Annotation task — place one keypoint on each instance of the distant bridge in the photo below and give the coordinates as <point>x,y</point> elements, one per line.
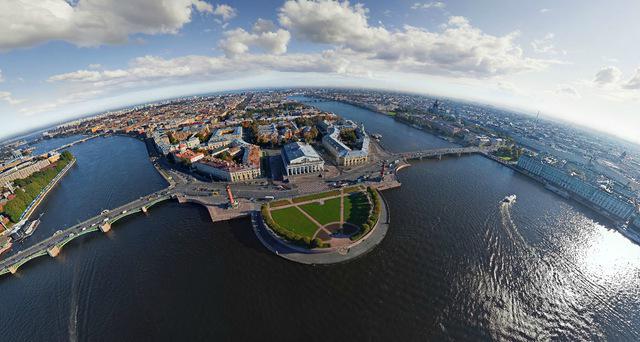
<point>441,152</point>
<point>76,142</point>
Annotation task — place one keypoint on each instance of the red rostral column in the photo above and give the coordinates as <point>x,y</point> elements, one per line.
<point>382,171</point>
<point>230,195</point>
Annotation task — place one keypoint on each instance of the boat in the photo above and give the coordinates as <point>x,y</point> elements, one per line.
<point>509,199</point>
<point>31,228</point>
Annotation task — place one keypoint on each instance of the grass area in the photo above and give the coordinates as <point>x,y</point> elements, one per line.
<point>316,196</point>
<point>279,203</point>
<point>293,220</point>
<point>356,208</point>
<point>324,213</point>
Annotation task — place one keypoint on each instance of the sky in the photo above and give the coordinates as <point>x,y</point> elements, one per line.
<point>575,60</point>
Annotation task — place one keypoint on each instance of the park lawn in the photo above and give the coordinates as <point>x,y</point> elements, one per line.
<point>356,208</point>
<point>292,219</point>
<point>324,213</point>
<point>316,196</point>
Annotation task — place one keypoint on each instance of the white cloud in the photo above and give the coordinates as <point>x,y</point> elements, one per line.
<point>7,97</point>
<point>25,23</point>
<point>264,35</point>
<point>95,66</point>
<point>1,77</point>
<point>153,69</point>
<point>458,50</point>
<point>634,82</point>
<point>544,45</point>
<point>608,75</point>
<point>544,10</point>
<point>428,5</point>
<point>568,90</point>
<point>225,11</point>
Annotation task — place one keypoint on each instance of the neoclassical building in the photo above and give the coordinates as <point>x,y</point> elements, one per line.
<point>343,154</point>
<point>300,158</point>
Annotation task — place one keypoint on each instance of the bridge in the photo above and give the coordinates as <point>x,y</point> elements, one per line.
<point>53,245</point>
<point>211,195</point>
<point>76,142</point>
<point>441,152</point>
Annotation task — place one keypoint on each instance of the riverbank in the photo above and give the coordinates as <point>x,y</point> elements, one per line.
<point>36,202</point>
<point>32,189</point>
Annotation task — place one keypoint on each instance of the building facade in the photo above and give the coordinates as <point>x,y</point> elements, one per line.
<point>246,168</point>
<point>23,171</point>
<point>343,154</point>
<point>614,205</point>
<point>300,158</point>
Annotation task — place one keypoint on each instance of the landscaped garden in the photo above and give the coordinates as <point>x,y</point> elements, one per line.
<point>336,217</point>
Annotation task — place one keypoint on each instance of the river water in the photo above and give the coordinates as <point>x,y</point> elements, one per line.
<point>456,263</point>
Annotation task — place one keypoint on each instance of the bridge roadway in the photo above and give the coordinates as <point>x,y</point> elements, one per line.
<point>211,193</point>
<point>440,152</point>
<point>76,142</point>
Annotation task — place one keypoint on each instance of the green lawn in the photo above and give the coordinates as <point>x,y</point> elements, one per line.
<point>324,213</point>
<point>316,196</point>
<point>292,219</point>
<point>356,208</point>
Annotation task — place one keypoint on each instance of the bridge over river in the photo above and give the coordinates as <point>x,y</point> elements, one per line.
<point>441,152</point>
<point>211,195</point>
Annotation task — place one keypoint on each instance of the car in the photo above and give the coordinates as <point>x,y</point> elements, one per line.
<point>124,211</point>
<point>85,228</point>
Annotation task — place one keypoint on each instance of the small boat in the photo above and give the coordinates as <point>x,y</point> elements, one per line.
<point>31,228</point>
<point>509,199</point>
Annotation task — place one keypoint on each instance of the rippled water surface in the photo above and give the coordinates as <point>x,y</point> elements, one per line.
<point>457,263</point>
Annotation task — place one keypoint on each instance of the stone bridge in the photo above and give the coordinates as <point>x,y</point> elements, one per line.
<point>53,245</point>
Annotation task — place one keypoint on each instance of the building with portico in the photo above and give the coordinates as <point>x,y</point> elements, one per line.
<point>300,158</point>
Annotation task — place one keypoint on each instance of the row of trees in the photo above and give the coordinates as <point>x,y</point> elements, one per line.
<point>373,214</point>
<point>29,188</point>
<point>294,238</point>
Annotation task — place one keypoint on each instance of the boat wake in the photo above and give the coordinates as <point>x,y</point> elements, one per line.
<point>509,226</point>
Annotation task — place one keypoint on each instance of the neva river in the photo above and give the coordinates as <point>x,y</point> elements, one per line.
<point>456,263</point>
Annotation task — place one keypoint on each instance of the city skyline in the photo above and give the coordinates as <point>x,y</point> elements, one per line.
<point>104,55</point>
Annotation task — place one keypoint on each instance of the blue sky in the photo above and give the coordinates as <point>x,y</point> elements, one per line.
<point>574,60</point>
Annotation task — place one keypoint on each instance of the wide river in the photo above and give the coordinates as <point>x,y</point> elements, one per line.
<point>456,263</point>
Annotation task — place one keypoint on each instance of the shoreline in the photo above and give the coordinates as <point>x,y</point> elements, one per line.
<point>43,195</point>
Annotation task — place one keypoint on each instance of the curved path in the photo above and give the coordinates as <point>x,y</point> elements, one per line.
<point>310,257</point>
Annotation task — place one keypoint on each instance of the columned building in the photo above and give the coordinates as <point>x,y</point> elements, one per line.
<point>300,158</point>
